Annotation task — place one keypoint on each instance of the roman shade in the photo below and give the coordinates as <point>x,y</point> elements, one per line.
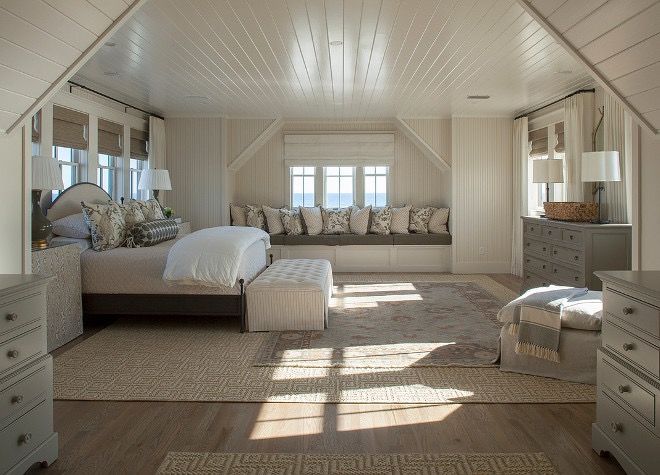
<point>139,141</point>
<point>339,149</point>
<point>111,138</point>
<point>559,135</point>
<point>36,127</point>
<point>538,140</point>
<point>70,128</point>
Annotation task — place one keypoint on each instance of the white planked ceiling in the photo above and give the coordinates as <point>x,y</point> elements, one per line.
<point>40,40</point>
<point>620,39</point>
<point>398,58</point>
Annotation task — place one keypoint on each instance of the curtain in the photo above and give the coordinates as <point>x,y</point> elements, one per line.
<point>614,138</point>
<point>520,160</point>
<point>578,124</point>
<point>157,158</point>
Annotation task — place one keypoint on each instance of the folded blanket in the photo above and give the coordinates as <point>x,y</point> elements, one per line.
<point>538,325</point>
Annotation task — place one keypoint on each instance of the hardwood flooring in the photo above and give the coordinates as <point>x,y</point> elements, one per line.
<point>133,437</point>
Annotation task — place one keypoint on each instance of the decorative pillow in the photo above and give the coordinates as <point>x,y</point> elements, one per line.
<point>336,221</point>
<point>360,220</point>
<point>438,221</point>
<point>106,225</point>
<point>150,209</point>
<point>72,226</point>
<point>381,219</point>
<point>274,220</point>
<point>292,221</point>
<point>400,220</point>
<point>149,233</point>
<point>312,220</point>
<point>255,216</point>
<point>238,217</point>
<point>419,220</point>
<point>132,213</point>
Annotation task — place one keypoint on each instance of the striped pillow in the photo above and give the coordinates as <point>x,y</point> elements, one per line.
<point>149,233</point>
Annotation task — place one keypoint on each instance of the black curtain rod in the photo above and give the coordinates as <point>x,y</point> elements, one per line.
<point>581,91</point>
<point>125,104</point>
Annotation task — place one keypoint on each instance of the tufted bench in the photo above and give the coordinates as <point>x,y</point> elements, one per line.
<point>292,294</point>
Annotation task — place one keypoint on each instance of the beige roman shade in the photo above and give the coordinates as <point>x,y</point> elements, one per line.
<point>139,141</point>
<point>111,138</point>
<point>539,142</point>
<point>36,127</point>
<point>70,128</point>
<point>327,150</point>
<point>559,134</point>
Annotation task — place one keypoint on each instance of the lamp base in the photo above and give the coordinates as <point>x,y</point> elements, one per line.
<point>600,221</point>
<point>41,226</point>
<point>39,244</point>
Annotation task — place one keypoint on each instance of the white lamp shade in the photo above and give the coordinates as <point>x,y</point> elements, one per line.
<point>601,166</point>
<point>547,171</point>
<point>46,174</point>
<point>154,179</point>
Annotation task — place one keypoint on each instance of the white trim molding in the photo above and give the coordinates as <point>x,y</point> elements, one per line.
<point>261,140</point>
<point>422,145</point>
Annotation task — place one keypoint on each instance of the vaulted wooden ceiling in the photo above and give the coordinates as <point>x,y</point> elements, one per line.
<point>333,59</point>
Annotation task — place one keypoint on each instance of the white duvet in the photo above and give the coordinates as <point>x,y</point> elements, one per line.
<point>211,256</point>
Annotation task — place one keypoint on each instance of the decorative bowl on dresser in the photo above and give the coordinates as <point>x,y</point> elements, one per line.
<point>628,376</point>
<point>26,376</point>
<point>562,253</point>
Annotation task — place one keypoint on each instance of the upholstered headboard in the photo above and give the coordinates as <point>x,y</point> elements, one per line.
<point>68,202</point>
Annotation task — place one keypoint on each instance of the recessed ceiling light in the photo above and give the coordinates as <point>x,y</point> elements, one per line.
<point>336,43</point>
<point>478,96</point>
<point>564,71</point>
<point>197,98</point>
<point>111,74</point>
<point>110,44</point>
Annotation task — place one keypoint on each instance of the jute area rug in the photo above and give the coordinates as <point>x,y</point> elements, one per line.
<point>191,463</point>
<point>210,360</point>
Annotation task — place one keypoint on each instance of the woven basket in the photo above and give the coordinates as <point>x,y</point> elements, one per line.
<point>571,211</point>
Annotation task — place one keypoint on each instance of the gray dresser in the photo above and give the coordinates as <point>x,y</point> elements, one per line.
<point>628,409</point>
<point>562,253</point>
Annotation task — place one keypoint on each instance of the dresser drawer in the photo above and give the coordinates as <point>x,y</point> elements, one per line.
<point>21,311</point>
<point>532,228</point>
<point>569,255</point>
<point>641,445</point>
<point>22,348</point>
<point>25,434</point>
<point>572,276</point>
<point>570,235</point>
<point>637,313</point>
<point>539,265</point>
<point>551,232</point>
<point>631,348</point>
<point>616,379</point>
<point>532,281</point>
<point>537,247</point>
<point>29,387</point>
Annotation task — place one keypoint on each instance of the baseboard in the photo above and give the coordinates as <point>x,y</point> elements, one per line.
<point>481,267</point>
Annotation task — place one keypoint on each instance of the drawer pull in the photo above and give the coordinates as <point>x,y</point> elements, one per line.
<point>624,388</point>
<point>628,346</point>
<point>25,438</point>
<point>577,258</point>
<point>616,427</point>
<point>544,249</point>
<point>627,310</point>
<point>544,266</point>
<point>576,278</point>
<point>17,399</point>
<point>527,261</point>
<point>570,237</point>
<point>549,233</point>
<point>12,354</point>
<point>12,317</point>
<point>555,271</point>
<point>532,228</point>
<point>529,244</point>
<point>555,252</point>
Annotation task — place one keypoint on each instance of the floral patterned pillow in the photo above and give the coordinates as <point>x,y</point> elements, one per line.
<point>150,209</point>
<point>336,221</point>
<point>106,224</point>
<point>132,213</point>
<point>255,216</point>
<point>419,220</point>
<point>292,221</point>
<point>381,220</point>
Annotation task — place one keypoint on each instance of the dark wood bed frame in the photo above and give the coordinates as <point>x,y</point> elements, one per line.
<point>151,304</point>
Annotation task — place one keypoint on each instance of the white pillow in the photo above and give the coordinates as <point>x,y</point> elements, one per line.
<point>438,221</point>
<point>400,220</point>
<point>274,220</point>
<point>360,220</point>
<point>238,217</point>
<point>313,220</point>
<point>72,226</point>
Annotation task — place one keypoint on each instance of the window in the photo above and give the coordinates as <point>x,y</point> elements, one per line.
<point>375,186</point>
<point>546,143</point>
<point>302,186</point>
<point>69,160</point>
<point>339,187</point>
<point>136,167</point>
<point>106,173</point>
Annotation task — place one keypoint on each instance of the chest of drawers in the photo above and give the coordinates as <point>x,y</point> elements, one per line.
<point>628,375</point>
<point>560,253</point>
<point>26,376</point>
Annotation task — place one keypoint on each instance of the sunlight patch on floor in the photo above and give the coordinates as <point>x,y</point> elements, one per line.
<point>350,419</point>
<point>369,288</point>
<point>271,424</point>
<point>284,373</point>
<point>372,300</point>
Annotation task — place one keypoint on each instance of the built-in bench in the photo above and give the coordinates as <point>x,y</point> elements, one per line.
<point>360,240</point>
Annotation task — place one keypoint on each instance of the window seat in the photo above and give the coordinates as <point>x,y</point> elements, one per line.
<point>360,240</point>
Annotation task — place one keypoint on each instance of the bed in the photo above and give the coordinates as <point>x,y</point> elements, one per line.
<point>126,281</point>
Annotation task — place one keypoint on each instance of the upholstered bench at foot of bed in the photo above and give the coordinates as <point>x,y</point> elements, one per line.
<point>292,294</point>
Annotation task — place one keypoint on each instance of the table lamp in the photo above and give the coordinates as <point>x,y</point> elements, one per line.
<point>547,171</point>
<point>46,175</point>
<point>600,167</point>
<point>155,180</point>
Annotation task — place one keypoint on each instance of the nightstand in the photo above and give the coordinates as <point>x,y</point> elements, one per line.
<point>184,227</point>
<point>64,292</point>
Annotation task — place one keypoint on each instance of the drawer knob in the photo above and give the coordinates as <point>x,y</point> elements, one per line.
<point>549,232</point>
<point>12,317</point>
<point>554,270</point>
<point>532,228</point>
<point>544,266</point>
<point>529,244</point>
<point>25,438</point>
<point>570,237</point>
<point>576,278</point>
<point>555,252</point>
<point>18,399</point>
<point>616,427</point>
<point>627,310</point>
<point>544,249</point>
<point>577,258</point>
<point>628,346</point>
<point>624,388</point>
<point>12,354</point>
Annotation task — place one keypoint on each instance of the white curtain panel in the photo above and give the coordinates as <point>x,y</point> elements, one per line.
<point>157,158</point>
<point>520,162</point>
<point>614,138</point>
<point>578,120</point>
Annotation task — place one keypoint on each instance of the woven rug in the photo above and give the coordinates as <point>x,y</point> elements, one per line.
<point>405,323</point>
<point>356,464</point>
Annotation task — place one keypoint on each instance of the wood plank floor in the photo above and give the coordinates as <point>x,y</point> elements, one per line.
<point>133,437</point>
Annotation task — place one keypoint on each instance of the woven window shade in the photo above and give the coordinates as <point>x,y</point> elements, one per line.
<point>111,138</point>
<point>69,128</point>
<point>36,127</point>
<point>139,141</point>
<point>559,134</point>
<point>539,142</point>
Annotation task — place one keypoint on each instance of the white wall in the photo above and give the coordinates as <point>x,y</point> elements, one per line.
<point>646,219</point>
<point>12,209</point>
<point>482,196</point>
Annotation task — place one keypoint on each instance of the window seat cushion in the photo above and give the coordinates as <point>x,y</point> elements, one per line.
<point>356,239</point>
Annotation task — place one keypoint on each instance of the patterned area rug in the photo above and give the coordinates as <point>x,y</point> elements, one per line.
<point>398,324</point>
<point>357,464</point>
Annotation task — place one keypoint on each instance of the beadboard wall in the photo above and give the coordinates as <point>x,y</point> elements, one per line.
<point>482,196</point>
